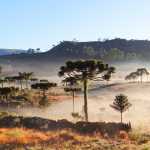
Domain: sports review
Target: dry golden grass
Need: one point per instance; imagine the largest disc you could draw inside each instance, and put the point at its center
(21, 136)
(29, 136)
(68, 140)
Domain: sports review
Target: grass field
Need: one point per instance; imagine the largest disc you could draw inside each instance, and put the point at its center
(26, 139)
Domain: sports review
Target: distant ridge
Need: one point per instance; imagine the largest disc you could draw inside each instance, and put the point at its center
(4, 51)
(96, 48)
(109, 50)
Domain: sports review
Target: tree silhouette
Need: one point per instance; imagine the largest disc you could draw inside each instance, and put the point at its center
(38, 50)
(85, 70)
(132, 76)
(121, 104)
(128, 78)
(141, 72)
(9, 80)
(33, 79)
(2, 81)
(138, 73)
(20, 78)
(6, 92)
(27, 76)
(43, 87)
(147, 74)
(44, 81)
(71, 86)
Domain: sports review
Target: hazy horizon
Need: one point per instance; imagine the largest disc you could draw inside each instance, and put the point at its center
(102, 40)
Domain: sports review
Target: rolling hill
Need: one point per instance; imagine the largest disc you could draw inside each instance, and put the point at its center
(100, 49)
(110, 50)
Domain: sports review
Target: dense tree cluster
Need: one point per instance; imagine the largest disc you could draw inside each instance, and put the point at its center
(26, 81)
(7, 92)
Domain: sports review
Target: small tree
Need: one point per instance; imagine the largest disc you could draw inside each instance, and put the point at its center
(9, 80)
(132, 76)
(26, 76)
(121, 104)
(44, 81)
(20, 78)
(38, 50)
(34, 80)
(2, 81)
(141, 72)
(6, 92)
(43, 87)
(128, 78)
(72, 90)
(71, 85)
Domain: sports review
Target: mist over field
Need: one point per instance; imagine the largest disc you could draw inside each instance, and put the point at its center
(100, 97)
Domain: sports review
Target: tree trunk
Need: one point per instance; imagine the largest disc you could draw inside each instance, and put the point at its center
(21, 84)
(141, 78)
(27, 84)
(85, 100)
(44, 94)
(2, 84)
(121, 117)
(73, 100)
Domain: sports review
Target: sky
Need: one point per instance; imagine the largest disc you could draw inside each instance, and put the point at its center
(42, 23)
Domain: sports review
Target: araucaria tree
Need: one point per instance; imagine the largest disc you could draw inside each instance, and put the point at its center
(132, 76)
(141, 72)
(26, 76)
(121, 104)
(71, 86)
(85, 70)
(138, 73)
(43, 87)
(20, 78)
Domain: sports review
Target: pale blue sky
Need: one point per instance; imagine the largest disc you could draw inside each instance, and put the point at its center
(41, 23)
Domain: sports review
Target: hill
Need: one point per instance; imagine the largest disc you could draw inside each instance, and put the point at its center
(115, 49)
(109, 50)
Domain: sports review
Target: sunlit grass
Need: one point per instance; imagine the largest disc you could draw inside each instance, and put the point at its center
(21, 136)
(68, 139)
(28, 136)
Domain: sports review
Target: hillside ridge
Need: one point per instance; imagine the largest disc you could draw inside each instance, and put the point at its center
(109, 50)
